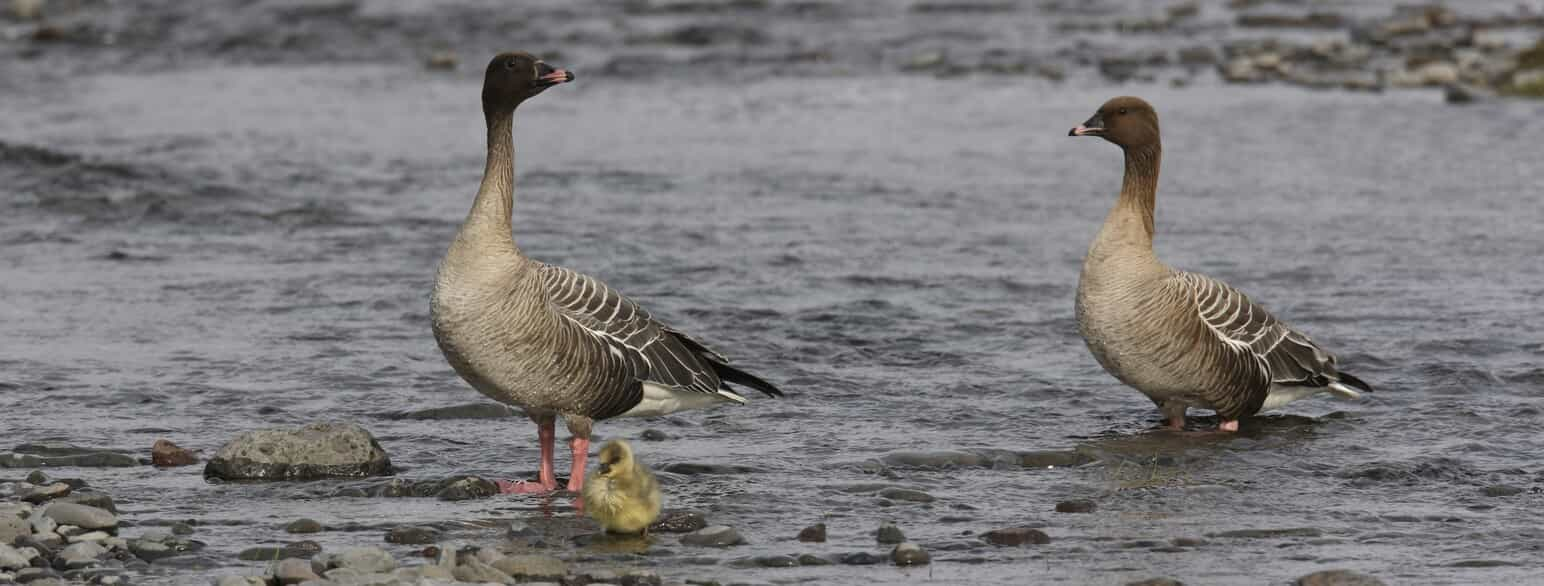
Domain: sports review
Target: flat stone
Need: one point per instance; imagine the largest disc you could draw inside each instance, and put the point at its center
(12, 525)
(364, 559)
(42, 494)
(1156, 582)
(465, 488)
(910, 554)
(889, 533)
(293, 571)
(531, 567)
(809, 559)
(318, 450)
(83, 516)
(100, 500)
(1016, 536)
(906, 494)
(31, 575)
(860, 558)
(713, 536)
(678, 521)
(298, 549)
(1338, 578)
(303, 525)
(1187, 541)
(813, 534)
(1498, 490)
(1075, 506)
(43, 524)
(653, 435)
(412, 535)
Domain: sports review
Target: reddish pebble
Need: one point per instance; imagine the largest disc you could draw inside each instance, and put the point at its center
(165, 453)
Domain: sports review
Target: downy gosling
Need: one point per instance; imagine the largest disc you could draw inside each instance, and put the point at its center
(622, 494)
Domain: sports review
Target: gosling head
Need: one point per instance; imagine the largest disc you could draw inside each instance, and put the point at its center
(514, 77)
(1126, 121)
(616, 458)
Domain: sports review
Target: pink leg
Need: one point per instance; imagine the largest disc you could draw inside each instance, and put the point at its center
(546, 482)
(581, 447)
(1230, 425)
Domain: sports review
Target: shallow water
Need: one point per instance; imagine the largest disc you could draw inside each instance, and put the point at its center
(191, 249)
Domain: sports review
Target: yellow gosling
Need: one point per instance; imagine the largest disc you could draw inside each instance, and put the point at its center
(622, 494)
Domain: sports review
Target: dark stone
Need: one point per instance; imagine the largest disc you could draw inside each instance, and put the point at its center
(41, 494)
(808, 559)
(303, 526)
(28, 575)
(299, 549)
(167, 454)
(653, 435)
(1269, 533)
(694, 469)
(1016, 536)
(1156, 582)
(813, 534)
(776, 561)
(1075, 506)
(861, 558)
(1482, 564)
(100, 500)
(906, 494)
(713, 536)
(1338, 578)
(678, 521)
(465, 488)
(1496, 490)
(1187, 541)
(318, 450)
(181, 528)
(413, 535)
(910, 554)
(889, 533)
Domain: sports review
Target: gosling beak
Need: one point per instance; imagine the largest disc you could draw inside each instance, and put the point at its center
(547, 76)
(1093, 127)
(603, 469)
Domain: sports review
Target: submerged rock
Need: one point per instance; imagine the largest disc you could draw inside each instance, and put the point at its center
(1075, 506)
(1156, 582)
(303, 525)
(906, 494)
(532, 568)
(910, 554)
(167, 454)
(889, 533)
(813, 534)
(413, 535)
(1016, 536)
(1338, 578)
(713, 536)
(465, 488)
(317, 450)
(860, 558)
(82, 516)
(293, 571)
(678, 521)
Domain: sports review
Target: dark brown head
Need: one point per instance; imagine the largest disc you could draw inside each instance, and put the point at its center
(514, 77)
(1127, 121)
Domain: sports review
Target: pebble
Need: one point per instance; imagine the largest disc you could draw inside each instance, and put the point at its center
(813, 534)
(42, 494)
(465, 488)
(809, 559)
(1187, 541)
(92, 536)
(84, 516)
(299, 549)
(861, 558)
(1269, 533)
(1016, 536)
(889, 533)
(364, 559)
(475, 571)
(775, 561)
(1075, 506)
(166, 454)
(1156, 582)
(713, 536)
(653, 435)
(43, 524)
(33, 575)
(303, 525)
(679, 522)
(413, 535)
(293, 571)
(1338, 578)
(12, 558)
(1497, 490)
(82, 554)
(443, 60)
(531, 567)
(694, 469)
(26, 9)
(12, 525)
(100, 500)
(910, 554)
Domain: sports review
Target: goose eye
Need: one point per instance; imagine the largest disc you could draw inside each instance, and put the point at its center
(510, 64)
(1122, 110)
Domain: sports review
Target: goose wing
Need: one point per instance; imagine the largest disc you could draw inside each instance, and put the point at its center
(1289, 357)
(651, 351)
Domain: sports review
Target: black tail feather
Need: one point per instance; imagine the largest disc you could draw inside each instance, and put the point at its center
(1353, 381)
(734, 375)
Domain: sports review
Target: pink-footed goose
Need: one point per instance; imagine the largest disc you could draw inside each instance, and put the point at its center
(547, 339)
(1183, 339)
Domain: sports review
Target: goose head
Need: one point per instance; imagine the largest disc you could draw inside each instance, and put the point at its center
(1126, 121)
(513, 78)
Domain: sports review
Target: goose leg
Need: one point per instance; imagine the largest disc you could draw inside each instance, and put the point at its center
(1173, 415)
(546, 482)
(1229, 425)
(581, 449)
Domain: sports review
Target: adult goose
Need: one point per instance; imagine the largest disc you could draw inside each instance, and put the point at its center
(552, 341)
(1182, 338)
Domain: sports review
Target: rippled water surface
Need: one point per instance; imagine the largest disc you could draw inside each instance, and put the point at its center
(201, 242)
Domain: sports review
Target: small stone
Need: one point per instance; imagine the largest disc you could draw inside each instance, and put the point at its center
(889, 533)
(166, 454)
(1187, 541)
(475, 571)
(413, 535)
(1197, 55)
(303, 525)
(1075, 506)
(910, 554)
(467, 488)
(81, 515)
(26, 9)
(12, 558)
(775, 561)
(1156, 582)
(1338, 578)
(813, 534)
(43, 524)
(294, 571)
(1499, 490)
(653, 435)
(1016, 536)
(532, 567)
(92, 536)
(30, 575)
(906, 494)
(82, 554)
(679, 522)
(42, 494)
(364, 559)
(13, 526)
(713, 536)
(298, 549)
(100, 500)
(181, 528)
(443, 60)
(861, 558)
(37, 477)
(809, 559)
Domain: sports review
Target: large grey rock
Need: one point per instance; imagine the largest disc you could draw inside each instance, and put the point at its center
(364, 559)
(83, 516)
(293, 571)
(532, 567)
(317, 450)
(12, 559)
